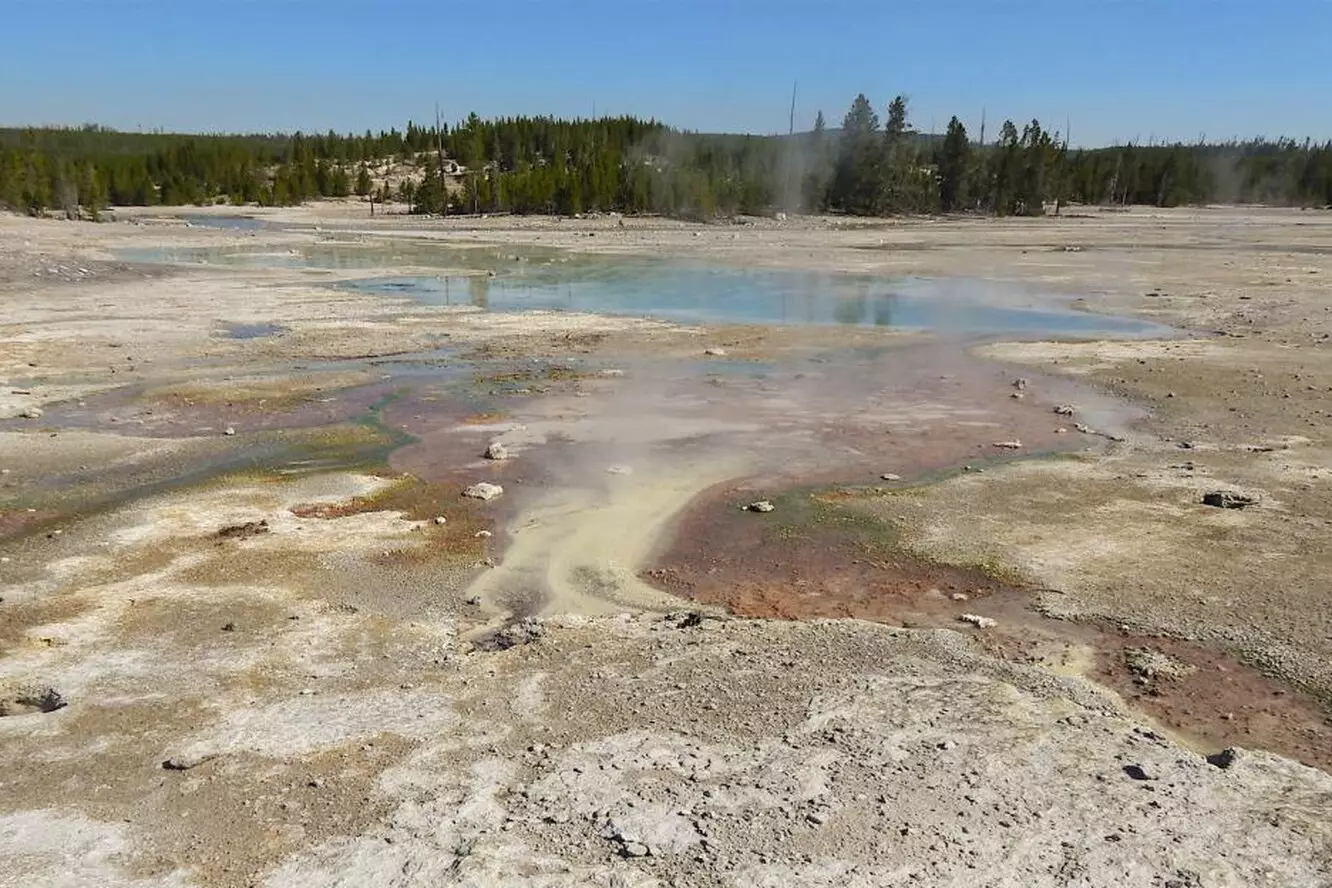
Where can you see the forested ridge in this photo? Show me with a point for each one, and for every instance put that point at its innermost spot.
(867, 166)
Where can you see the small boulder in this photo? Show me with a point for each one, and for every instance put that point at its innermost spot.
(889, 476)
(1228, 499)
(440, 521)
(978, 621)
(1065, 409)
(483, 490)
(229, 431)
(715, 352)
(1009, 445)
(760, 506)
(497, 451)
(30, 413)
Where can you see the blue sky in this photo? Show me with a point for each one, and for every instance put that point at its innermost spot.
(1119, 69)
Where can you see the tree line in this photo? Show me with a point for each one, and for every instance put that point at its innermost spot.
(868, 166)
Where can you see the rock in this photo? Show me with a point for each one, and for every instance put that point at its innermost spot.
(1065, 409)
(30, 413)
(818, 818)
(760, 506)
(229, 431)
(1228, 499)
(1017, 396)
(1150, 665)
(228, 627)
(186, 762)
(635, 849)
(1019, 383)
(440, 521)
(525, 631)
(889, 476)
(1009, 445)
(483, 534)
(474, 600)
(960, 596)
(497, 451)
(1137, 772)
(1225, 758)
(978, 621)
(243, 531)
(612, 372)
(40, 699)
(619, 470)
(715, 352)
(483, 490)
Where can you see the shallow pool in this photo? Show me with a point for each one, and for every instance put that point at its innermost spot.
(510, 279)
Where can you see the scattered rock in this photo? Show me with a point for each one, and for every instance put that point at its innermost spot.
(525, 631)
(760, 506)
(440, 521)
(243, 531)
(483, 534)
(1020, 384)
(1225, 758)
(689, 620)
(474, 600)
(635, 849)
(715, 352)
(1229, 499)
(228, 627)
(1009, 445)
(229, 431)
(1151, 665)
(30, 413)
(818, 818)
(960, 596)
(1065, 409)
(889, 476)
(497, 451)
(978, 621)
(483, 490)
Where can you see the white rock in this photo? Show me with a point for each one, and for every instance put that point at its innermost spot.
(760, 506)
(1009, 445)
(229, 431)
(440, 520)
(483, 490)
(619, 470)
(483, 534)
(496, 450)
(31, 413)
(715, 352)
(978, 621)
(889, 476)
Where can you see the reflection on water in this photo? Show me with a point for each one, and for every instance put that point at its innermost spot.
(514, 279)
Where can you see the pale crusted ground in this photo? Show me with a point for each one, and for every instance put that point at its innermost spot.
(328, 743)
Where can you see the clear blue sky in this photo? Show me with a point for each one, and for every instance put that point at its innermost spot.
(1118, 68)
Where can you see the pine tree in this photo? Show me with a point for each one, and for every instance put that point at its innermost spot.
(363, 183)
(856, 178)
(953, 164)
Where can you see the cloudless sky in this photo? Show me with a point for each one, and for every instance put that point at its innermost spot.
(1117, 69)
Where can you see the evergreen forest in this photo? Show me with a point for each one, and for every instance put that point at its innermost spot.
(868, 165)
